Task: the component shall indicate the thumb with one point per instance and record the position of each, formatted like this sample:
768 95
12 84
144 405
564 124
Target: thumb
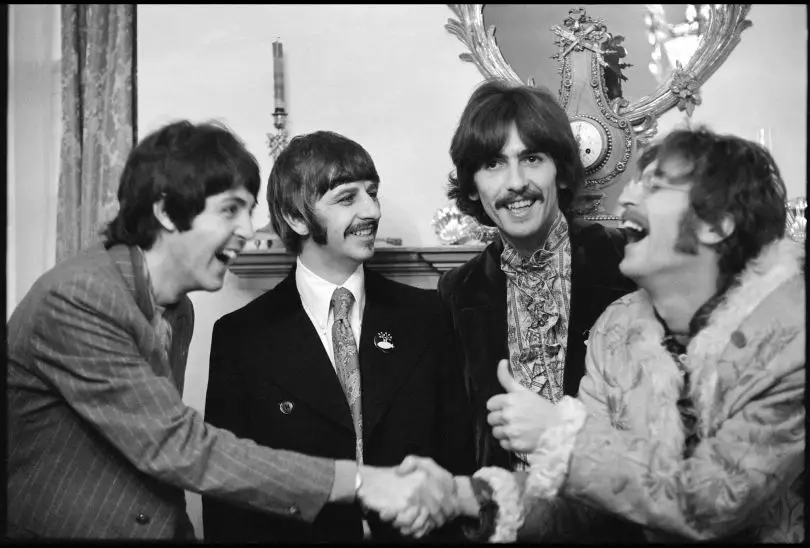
407 466
506 379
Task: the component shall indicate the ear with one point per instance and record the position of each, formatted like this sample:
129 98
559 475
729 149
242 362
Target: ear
474 196
297 224
710 235
159 210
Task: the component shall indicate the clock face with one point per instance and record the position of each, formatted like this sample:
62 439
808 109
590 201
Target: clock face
592 142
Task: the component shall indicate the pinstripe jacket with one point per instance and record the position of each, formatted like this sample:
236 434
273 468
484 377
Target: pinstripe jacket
100 443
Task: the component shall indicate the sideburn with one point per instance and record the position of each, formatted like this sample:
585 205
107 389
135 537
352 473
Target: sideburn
317 231
687 241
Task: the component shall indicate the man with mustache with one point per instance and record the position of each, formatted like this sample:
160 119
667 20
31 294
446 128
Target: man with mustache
532 295
100 443
336 360
690 420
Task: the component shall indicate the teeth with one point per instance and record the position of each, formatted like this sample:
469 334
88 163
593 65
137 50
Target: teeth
364 232
633 226
520 204
230 254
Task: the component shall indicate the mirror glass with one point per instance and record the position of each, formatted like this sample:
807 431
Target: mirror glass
655 36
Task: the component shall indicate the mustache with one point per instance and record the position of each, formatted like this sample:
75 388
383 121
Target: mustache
359 227
537 195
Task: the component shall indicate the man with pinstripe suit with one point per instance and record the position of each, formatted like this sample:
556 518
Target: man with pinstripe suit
100 444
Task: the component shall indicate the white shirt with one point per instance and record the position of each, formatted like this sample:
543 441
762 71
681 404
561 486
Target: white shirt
316 297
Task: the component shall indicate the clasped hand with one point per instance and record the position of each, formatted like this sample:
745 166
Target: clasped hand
519 417
417 496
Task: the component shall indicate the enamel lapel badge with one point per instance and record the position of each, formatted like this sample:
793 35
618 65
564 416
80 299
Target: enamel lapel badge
384 342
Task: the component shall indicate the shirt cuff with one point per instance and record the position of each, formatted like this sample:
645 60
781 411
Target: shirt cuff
549 462
343 489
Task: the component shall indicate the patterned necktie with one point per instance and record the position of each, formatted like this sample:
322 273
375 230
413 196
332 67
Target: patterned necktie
346 361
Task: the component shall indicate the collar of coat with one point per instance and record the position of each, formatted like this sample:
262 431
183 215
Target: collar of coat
778 262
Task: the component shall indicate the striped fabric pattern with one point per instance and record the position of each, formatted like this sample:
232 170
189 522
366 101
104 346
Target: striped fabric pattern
100 442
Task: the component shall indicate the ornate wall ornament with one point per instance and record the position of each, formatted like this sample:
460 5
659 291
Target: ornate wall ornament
796 228
686 88
723 27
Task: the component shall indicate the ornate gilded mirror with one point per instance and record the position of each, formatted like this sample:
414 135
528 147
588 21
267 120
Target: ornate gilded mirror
617 68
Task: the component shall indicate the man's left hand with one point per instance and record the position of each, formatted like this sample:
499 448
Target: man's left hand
519 417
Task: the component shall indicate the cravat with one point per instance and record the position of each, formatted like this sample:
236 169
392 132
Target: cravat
346 361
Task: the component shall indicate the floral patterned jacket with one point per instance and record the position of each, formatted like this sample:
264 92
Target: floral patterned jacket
626 454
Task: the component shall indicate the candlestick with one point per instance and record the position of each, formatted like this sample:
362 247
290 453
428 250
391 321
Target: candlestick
278 142
278 75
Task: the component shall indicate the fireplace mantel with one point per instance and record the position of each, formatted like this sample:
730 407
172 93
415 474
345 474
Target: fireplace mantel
393 261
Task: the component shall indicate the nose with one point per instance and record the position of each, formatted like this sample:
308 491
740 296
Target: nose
631 193
517 181
371 208
244 226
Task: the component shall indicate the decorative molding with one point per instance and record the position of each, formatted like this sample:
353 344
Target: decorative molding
389 261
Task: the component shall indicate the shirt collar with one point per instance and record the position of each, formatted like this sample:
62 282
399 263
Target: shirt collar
316 293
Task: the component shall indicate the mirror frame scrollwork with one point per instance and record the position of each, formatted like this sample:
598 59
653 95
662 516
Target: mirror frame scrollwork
725 26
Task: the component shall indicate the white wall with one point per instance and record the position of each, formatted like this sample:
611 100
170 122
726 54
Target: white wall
390 78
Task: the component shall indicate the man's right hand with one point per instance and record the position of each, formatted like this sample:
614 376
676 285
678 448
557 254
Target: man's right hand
408 497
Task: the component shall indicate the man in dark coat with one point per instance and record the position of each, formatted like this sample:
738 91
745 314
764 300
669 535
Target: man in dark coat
532 295
284 373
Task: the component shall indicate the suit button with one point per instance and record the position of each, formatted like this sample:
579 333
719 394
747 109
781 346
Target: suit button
286 407
143 519
293 510
738 339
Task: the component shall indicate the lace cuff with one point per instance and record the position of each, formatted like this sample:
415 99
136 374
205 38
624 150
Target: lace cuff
506 494
549 462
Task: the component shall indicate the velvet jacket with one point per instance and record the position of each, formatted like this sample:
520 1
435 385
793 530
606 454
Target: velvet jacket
743 480
473 296
271 380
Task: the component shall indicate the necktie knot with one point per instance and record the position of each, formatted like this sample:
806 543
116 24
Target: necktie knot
342 301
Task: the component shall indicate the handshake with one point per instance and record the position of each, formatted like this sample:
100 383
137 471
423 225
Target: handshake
418 495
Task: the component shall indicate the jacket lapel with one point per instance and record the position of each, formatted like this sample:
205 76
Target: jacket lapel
129 261
305 369
481 303
381 374
595 283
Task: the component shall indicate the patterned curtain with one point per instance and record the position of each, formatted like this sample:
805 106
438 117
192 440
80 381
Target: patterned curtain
98 118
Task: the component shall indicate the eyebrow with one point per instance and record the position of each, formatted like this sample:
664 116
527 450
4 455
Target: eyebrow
671 179
354 189
520 154
240 201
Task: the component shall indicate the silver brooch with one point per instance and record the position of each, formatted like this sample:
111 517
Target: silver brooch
384 342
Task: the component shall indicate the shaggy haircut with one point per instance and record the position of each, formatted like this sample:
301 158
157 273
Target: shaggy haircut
184 164
729 176
306 169
483 130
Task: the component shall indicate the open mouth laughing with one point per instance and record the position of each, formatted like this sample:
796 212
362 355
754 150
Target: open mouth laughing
635 225
227 255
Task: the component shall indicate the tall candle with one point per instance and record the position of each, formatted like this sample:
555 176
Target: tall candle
278 74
